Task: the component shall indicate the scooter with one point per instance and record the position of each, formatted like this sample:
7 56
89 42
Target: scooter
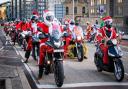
115 64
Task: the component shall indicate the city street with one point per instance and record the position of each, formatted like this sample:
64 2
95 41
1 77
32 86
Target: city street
77 74
31 23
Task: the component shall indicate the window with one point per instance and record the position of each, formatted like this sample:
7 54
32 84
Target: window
120 10
92 11
75 10
92 2
67 10
103 1
99 2
83 10
119 1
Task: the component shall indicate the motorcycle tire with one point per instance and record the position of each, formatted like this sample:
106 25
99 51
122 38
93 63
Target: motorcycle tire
118 70
24 45
80 54
59 73
97 63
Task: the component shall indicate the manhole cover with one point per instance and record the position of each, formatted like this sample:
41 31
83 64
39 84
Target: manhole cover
2 84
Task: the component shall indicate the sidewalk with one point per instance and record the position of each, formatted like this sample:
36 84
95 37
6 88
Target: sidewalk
12 74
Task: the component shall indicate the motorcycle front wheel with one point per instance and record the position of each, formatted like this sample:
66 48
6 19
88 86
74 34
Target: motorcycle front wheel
118 70
59 73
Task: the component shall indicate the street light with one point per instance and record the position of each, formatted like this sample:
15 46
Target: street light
73 9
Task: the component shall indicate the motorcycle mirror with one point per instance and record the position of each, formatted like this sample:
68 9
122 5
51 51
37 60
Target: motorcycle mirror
39 29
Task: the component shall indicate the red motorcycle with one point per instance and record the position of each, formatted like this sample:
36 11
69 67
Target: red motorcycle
53 62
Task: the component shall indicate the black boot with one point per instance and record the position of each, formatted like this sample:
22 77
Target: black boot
40 71
26 61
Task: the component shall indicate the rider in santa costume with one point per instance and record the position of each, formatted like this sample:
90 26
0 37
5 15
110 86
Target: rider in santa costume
106 33
44 27
33 28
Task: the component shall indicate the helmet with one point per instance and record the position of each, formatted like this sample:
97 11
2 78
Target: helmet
34 18
77 23
48 18
24 20
107 21
72 22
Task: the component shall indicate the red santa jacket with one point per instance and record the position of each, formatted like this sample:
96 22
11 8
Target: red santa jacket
22 26
45 29
109 33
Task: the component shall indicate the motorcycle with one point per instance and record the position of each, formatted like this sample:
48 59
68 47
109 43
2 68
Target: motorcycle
23 36
115 64
79 48
53 62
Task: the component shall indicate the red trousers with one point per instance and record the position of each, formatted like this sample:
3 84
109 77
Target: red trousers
105 51
42 51
88 35
67 39
29 46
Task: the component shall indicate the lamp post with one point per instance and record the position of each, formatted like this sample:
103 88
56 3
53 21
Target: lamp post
73 9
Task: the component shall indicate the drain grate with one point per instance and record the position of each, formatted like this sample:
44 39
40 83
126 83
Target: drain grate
2 84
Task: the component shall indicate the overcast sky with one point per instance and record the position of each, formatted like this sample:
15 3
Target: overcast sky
1 1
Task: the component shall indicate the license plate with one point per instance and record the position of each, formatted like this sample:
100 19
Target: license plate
59 50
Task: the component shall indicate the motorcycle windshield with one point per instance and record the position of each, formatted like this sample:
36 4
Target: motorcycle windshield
56 33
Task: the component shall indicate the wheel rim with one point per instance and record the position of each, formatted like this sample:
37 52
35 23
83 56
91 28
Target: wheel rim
118 71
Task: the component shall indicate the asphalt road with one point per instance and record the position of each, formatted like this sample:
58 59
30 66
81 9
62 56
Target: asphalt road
78 75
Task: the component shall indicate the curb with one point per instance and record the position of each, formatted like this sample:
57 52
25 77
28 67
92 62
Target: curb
8 84
23 78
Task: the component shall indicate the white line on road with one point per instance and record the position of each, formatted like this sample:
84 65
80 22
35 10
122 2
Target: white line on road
89 84
126 74
1 48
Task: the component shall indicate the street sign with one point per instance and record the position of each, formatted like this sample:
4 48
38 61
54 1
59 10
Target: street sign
101 10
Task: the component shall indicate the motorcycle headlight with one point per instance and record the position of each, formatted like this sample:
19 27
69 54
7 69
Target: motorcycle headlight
114 41
57 44
78 37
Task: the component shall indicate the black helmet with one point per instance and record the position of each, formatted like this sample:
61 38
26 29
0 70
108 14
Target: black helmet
72 22
77 23
34 17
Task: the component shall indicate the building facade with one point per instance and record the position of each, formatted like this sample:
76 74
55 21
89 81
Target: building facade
80 9
5 11
117 9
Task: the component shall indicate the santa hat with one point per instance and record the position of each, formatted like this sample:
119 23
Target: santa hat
45 11
67 21
107 18
35 12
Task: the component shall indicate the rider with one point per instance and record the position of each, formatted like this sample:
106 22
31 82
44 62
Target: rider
107 33
31 43
67 37
22 26
44 27
79 32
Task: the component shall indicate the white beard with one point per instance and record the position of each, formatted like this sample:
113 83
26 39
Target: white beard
34 26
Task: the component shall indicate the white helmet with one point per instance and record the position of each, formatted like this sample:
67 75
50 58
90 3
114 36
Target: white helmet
48 18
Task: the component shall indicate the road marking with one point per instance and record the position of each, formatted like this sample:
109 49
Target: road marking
8 57
1 48
126 74
89 84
